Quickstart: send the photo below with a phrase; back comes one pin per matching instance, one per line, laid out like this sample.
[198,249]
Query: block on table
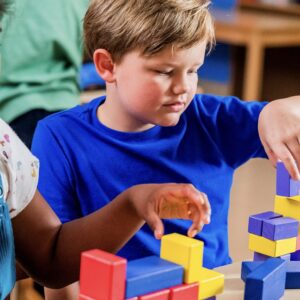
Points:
[271,248]
[267,281]
[185,251]
[211,283]
[185,291]
[102,275]
[280,228]
[150,274]
[282,180]
[255,223]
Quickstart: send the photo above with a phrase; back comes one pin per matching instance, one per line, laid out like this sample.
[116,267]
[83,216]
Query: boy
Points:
[49,251]
[151,127]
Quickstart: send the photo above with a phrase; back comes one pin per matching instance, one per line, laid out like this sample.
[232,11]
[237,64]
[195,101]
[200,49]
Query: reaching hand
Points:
[154,202]
[279,130]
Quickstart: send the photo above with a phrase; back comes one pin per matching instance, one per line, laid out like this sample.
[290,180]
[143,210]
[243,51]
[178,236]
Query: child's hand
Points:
[155,201]
[279,130]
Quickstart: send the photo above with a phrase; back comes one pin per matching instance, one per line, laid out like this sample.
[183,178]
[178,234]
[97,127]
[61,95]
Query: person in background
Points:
[41,57]
[152,127]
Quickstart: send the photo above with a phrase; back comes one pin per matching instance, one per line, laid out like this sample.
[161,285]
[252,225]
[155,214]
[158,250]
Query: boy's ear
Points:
[104,65]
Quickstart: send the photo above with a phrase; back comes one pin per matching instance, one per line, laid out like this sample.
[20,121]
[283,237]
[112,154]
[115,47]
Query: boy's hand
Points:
[154,202]
[279,131]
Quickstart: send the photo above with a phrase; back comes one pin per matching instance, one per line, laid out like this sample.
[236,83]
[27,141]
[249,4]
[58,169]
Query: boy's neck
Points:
[111,117]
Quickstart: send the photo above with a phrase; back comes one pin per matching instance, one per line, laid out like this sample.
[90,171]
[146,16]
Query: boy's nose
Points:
[180,86]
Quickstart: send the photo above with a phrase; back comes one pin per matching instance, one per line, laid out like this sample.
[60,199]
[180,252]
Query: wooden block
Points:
[211,283]
[159,295]
[185,251]
[255,223]
[82,297]
[280,228]
[267,281]
[295,256]
[292,272]
[102,275]
[298,242]
[150,274]
[287,207]
[248,267]
[294,187]
[185,291]
[293,275]
[295,198]
[282,180]
[271,248]
[261,257]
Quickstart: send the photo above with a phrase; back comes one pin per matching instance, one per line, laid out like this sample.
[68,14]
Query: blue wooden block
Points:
[295,256]
[293,275]
[261,257]
[294,187]
[282,180]
[150,274]
[267,281]
[248,267]
[280,228]
[255,221]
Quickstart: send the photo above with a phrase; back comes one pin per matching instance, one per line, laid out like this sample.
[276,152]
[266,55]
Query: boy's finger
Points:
[156,224]
[294,149]
[286,157]
[195,228]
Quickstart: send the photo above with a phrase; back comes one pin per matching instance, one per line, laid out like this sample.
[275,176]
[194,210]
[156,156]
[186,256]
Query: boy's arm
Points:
[279,131]
[50,252]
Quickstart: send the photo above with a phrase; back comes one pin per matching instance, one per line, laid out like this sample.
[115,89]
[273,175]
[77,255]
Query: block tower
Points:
[177,274]
[274,237]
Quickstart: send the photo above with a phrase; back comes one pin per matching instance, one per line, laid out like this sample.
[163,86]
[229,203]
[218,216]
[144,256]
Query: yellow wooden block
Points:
[211,283]
[272,248]
[296,198]
[287,207]
[184,251]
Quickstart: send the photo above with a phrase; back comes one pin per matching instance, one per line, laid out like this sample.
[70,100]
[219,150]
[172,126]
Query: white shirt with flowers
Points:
[18,170]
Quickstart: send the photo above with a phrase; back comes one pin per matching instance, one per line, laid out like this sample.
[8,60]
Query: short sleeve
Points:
[56,182]
[233,126]
[19,170]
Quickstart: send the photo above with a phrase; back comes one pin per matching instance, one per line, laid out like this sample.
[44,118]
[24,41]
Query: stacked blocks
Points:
[176,275]
[189,253]
[274,238]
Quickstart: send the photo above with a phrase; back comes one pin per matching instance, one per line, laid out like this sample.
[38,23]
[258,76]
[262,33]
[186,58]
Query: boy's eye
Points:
[193,71]
[164,72]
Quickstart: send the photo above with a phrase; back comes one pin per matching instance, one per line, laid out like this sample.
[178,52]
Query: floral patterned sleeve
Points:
[18,169]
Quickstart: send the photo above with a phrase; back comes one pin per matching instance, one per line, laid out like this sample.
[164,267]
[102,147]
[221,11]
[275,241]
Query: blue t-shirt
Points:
[84,164]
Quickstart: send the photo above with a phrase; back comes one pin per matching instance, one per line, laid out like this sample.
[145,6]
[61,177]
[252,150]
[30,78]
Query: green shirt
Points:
[41,55]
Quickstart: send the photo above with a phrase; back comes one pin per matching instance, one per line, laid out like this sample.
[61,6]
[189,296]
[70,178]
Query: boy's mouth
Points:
[175,106]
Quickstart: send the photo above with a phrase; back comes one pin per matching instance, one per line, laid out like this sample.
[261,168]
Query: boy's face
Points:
[154,90]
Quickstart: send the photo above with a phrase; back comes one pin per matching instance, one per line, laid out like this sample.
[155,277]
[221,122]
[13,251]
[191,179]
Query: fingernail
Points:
[157,234]
[193,233]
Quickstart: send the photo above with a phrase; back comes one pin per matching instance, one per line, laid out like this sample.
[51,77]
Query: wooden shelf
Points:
[287,9]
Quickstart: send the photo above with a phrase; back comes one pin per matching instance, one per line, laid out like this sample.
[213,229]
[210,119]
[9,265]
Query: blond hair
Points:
[120,26]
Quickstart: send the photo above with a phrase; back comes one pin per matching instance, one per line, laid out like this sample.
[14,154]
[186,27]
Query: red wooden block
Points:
[159,295]
[185,291]
[82,297]
[102,275]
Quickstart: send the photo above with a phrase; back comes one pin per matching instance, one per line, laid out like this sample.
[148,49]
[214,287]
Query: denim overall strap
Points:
[7,250]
